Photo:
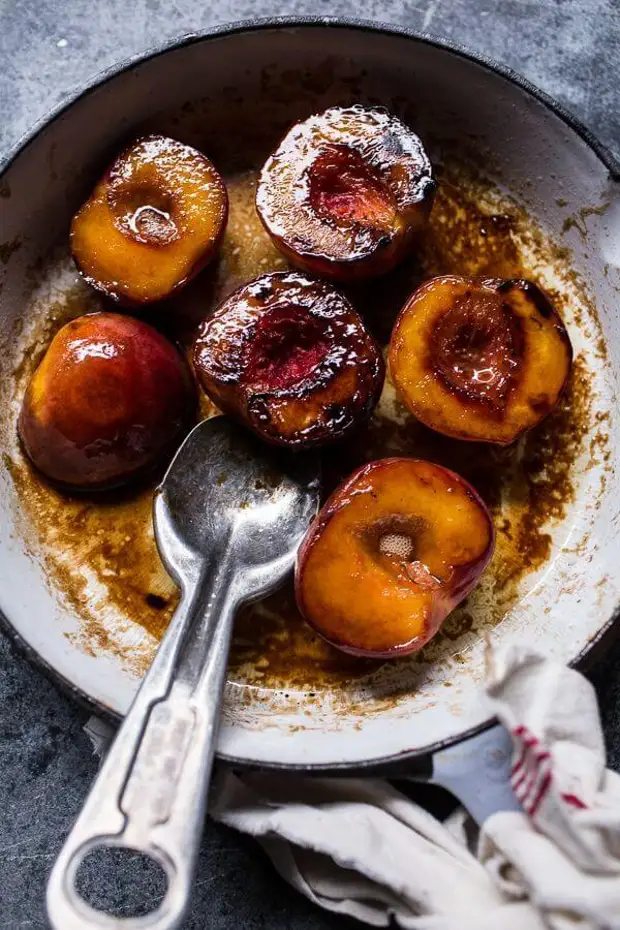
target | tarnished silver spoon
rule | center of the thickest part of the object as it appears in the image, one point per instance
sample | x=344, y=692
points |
x=229, y=516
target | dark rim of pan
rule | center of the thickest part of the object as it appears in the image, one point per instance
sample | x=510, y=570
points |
x=407, y=761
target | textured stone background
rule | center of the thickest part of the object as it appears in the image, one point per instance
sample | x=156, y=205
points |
x=48, y=50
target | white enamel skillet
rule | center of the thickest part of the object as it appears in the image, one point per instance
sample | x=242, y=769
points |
x=536, y=153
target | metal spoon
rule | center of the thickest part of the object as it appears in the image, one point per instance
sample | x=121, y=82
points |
x=229, y=516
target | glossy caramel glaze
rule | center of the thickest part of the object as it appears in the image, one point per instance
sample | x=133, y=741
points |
x=290, y=358
x=345, y=192
x=476, y=349
x=94, y=414
x=153, y=221
x=480, y=359
x=525, y=485
x=392, y=552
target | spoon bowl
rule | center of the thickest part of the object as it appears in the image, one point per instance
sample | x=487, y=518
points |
x=225, y=492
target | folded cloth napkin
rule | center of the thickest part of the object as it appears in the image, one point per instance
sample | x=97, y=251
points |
x=362, y=848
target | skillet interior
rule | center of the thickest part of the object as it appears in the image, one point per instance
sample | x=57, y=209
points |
x=491, y=140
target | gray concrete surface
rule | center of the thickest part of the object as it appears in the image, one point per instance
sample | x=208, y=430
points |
x=50, y=48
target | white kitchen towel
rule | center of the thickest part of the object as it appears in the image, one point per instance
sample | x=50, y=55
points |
x=360, y=847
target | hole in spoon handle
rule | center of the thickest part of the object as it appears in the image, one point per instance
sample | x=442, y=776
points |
x=70, y=910
x=150, y=794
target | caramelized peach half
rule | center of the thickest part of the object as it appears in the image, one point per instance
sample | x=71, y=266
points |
x=345, y=192
x=480, y=359
x=153, y=221
x=110, y=397
x=392, y=552
x=290, y=358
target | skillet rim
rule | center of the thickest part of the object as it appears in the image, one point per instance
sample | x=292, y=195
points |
x=609, y=159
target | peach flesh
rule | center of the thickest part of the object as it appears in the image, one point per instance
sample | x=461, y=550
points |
x=152, y=222
x=391, y=553
x=289, y=357
x=285, y=351
x=346, y=192
x=479, y=359
x=477, y=349
x=344, y=188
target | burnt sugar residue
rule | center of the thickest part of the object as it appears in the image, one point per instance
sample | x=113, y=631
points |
x=7, y=249
x=109, y=538
x=274, y=647
x=101, y=553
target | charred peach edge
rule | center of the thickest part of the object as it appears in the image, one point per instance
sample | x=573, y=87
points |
x=292, y=403
x=400, y=230
x=396, y=343
x=349, y=270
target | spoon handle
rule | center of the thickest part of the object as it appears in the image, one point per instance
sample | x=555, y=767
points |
x=150, y=794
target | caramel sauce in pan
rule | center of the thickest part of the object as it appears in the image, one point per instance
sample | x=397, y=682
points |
x=524, y=485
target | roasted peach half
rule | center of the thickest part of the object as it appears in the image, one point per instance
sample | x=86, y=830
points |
x=480, y=359
x=290, y=358
x=392, y=552
x=345, y=192
x=153, y=221
x=110, y=397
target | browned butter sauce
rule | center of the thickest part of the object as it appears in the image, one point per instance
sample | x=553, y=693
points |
x=524, y=486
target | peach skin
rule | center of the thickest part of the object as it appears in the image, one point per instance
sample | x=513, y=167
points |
x=110, y=398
